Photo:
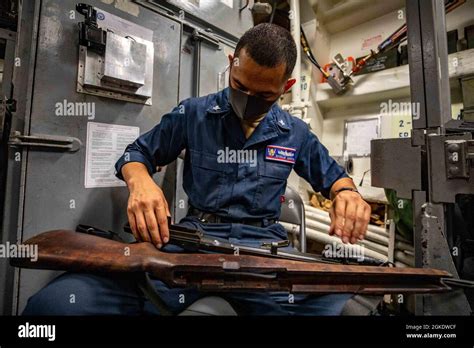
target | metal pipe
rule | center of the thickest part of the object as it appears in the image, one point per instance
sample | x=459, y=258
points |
x=327, y=239
x=296, y=106
x=404, y=246
x=401, y=264
x=319, y=234
x=370, y=236
x=324, y=229
x=367, y=244
x=372, y=228
x=407, y=259
x=374, y=246
x=302, y=239
x=310, y=217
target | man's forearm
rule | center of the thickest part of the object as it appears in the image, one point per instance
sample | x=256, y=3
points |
x=339, y=184
x=134, y=172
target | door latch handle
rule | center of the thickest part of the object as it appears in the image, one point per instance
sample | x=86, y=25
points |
x=56, y=142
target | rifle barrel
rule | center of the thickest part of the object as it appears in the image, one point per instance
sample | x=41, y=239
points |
x=194, y=240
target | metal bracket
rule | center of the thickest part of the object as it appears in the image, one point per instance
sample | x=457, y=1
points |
x=202, y=36
x=91, y=36
x=56, y=142
x=449, y=156
x=459, y=158
x=274, y=246
x=345, y=69
x=386, y=157
x=436, y=253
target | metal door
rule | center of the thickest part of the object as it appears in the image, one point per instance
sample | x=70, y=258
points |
x=51, y=191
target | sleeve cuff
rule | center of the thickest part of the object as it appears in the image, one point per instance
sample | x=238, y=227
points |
x=133, y=157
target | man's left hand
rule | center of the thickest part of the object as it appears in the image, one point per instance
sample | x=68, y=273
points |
x=350, y=216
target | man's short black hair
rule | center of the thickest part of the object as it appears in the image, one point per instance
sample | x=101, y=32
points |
x=269, y=45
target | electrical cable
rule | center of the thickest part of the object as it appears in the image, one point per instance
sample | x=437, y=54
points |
x=245, y=6
x=309, y=53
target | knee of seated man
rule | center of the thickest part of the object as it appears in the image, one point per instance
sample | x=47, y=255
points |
x=313, y=305
x=73, y=294
x=331, y=304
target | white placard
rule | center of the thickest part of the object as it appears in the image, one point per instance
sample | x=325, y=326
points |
x=229, y=3
x=358, y=135
x=105, y=144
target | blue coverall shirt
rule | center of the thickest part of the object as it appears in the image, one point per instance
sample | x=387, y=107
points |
x=214, y=180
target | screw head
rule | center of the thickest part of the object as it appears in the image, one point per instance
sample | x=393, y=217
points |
x=453, y=170
x=453, y=147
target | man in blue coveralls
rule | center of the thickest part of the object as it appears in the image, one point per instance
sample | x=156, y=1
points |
x=240, y=149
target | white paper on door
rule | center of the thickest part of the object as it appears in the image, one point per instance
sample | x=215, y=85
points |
x=105, y=144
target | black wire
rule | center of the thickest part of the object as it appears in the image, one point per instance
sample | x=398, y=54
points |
x=307, y=49
x=245, y=6
x=314, y=63
x=312, y=60
x=388, y=264
x=363, y=176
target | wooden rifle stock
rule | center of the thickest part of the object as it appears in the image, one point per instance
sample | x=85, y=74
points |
x=72, y=251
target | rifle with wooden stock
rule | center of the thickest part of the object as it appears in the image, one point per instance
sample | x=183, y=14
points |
x=72, y=251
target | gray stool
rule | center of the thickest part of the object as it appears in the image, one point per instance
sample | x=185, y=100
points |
x=209, y=306
x=292, y=212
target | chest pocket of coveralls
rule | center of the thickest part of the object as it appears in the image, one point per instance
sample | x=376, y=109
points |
x=208, y=179
x=272, y=176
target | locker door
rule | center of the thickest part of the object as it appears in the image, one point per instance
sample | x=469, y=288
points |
x=213, y=63
x=201, y=65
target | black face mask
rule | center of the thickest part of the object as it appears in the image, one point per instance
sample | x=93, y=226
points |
x=246, y=106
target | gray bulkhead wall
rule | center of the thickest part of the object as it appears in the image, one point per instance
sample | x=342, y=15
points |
x=221, y=16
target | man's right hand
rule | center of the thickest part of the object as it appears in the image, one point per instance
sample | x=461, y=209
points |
x=147, y=208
